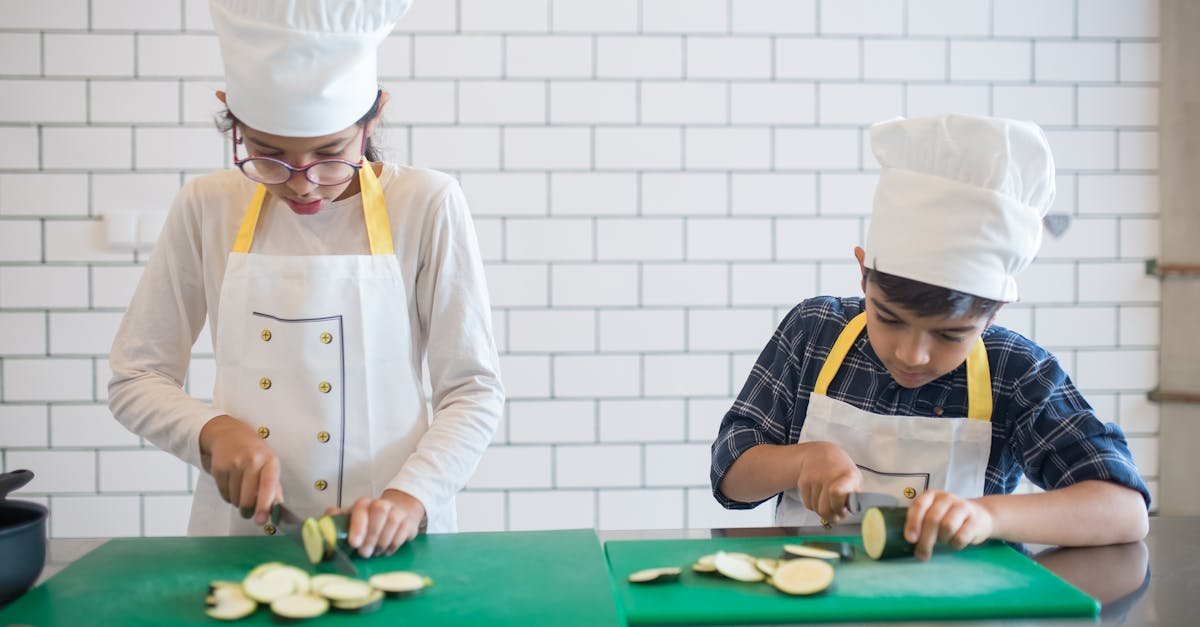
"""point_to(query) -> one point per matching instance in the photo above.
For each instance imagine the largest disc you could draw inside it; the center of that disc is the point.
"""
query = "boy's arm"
(1088, 513)
(822, 472)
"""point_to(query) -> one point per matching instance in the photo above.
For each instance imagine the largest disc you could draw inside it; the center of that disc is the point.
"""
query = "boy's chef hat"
(302, 68)
(960, 201)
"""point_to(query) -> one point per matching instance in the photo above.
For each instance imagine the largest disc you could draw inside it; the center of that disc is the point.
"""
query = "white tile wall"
(655, 184)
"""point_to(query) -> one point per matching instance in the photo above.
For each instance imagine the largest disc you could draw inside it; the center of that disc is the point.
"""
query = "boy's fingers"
(268, 491)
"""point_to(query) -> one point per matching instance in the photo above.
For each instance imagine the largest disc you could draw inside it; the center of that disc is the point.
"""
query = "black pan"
(22, 538)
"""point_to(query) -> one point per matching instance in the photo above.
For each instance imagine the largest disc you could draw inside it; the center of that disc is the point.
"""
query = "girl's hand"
(382, 525)
(245, 469)
(826, 479)
(937, 516)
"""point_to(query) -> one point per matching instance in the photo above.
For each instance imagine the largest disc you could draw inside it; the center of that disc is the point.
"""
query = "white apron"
(315, 353)
(898, 455)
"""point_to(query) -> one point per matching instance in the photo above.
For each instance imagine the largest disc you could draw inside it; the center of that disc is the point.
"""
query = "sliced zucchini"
(883, 533)
(297, 607)
(806, 550)
(364, 606)
(314, 542)
(400, 583)
(232, 607)
(845, 550)
(803, 576)
(655, 575)
(333, 528)
(766, 565)
(279, 580)
(704, 568)
(346, 590)
(317, 582)
(737, 567)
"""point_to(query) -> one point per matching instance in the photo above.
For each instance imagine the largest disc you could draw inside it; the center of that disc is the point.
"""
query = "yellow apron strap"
(245, 235)
(836, 354)
(379, 227)
(979, 383)
(979, 377)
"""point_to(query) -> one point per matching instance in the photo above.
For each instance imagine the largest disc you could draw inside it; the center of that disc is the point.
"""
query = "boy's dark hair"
(225, 121)
(927, 300)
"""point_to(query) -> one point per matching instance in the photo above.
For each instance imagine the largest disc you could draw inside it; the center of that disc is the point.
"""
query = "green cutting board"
(987, 581)
(516, 578)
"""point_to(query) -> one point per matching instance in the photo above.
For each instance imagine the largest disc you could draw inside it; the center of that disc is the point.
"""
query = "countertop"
(1153, 582)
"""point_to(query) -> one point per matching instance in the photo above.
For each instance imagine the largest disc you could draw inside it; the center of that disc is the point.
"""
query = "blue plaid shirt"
(1041, 425)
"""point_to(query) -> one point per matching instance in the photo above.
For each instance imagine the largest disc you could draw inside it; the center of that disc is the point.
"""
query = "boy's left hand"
(937, 516)
(383, 524)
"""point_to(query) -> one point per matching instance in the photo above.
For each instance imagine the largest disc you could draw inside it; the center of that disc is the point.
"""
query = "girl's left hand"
(937, 516)
(382, 525)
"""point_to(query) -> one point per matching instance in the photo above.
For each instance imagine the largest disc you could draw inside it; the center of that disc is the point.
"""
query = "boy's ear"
(861, 256)
(221, 96)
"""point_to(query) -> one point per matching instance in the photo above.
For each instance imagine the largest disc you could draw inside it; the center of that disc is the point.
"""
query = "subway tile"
(550, 422)
(599, 466)
(165, 514)
(66, 14)
(1123, 282)
(1144, 450)
(721, 239)
(1018, 318)
(847, 194)
(774, 194)
(421, 102)
(686, 375)
(677, 465)
(87, 148)
(142, 471)
(550, 239)
(817, 58)
(582, 102)
(1075, 61)
(460, 57)
(1045, 104)
(596, 376)
(22, 333)
(1139, 326)
(1137, 150)
(593, 285)
(639, 239)
(513, 467)
(505, 193)
(95, 516)
(865, 17)
(640, 509)
(47, 379)
(641, 420)
(20, 54)
(948, 17)
(816, 238)
(547, 148)
(704, 414)
(22, 148)
(83, 333)
(87, 54)
(179, 56)
(200, 104)
(593, 193)
(1073, 327)
(990, 61)
(921, 100)
(1140, 238)
(703, 512)
(56, 471)
(513, 16)
(1138, 413)
(817, 149)
(1123, 370)
(779, 284)
(430, 17)
(552, 56)
(685, 284)
(1118, 18)
(87, 426)
(1085, 238)
(135, 102)
(1138, 61)
(395, 57)
(889, 59)
(549, 330)
(623, 148)
(1047, 282)
(481, 511)
(136, 15)
(1034, 18)
(21, 240)
(551, 509)
(501, 102)
(859, 104)
(682, 103)
(29, 101)
(639, 57)
(587, 16)
(453, 148)
(727, 57)
(685, 16)
(793, 17)
(22, 425)
(840, 278)
(1120, 193)
(196, 15)
(728, 329)
(113, 286)
(1118, 106)
(638, 330)
(101, 376)
(1083, 150)
(772, 103)
(178, 148)
(517, 285)
(727, 148)
(43, 286)
(525, 376)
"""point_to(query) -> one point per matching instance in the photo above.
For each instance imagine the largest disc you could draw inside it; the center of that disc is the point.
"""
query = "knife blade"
(859, 502)
(290, 524)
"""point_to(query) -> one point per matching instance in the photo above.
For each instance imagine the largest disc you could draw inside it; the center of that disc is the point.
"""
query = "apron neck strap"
(379, 228)
(979, 377)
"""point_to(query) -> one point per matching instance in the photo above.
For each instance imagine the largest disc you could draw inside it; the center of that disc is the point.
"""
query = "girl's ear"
(373, 122)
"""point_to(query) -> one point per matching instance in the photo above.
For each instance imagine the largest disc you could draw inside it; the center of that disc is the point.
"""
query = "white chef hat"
(302, 68)
(960, 201)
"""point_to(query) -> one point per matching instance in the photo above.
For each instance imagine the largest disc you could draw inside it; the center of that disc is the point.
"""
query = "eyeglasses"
(271, 171)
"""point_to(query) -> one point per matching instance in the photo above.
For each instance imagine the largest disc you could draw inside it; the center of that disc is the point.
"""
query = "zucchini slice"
(803, 576)
(231, 606)
(347, 590)
(314, 542)
(845, 550)
(766, 565)
(317, 582)
(883, 533)
(704, 568)
(655, 575)
(275, 581)
(297, 607)
(363, 606)
(400, 583)
(806, 550)
(738, 568)
(333, 529)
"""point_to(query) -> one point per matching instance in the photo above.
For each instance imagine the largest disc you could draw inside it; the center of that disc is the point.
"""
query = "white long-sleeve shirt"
(447, 301)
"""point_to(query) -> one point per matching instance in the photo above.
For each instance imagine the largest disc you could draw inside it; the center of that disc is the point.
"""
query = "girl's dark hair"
(927, 300)
(225, 121)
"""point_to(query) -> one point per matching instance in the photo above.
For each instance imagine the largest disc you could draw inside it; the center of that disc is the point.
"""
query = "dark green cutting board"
(517, 578)
(987, 581)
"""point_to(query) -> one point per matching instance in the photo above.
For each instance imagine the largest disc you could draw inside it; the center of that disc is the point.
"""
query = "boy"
(933, 404)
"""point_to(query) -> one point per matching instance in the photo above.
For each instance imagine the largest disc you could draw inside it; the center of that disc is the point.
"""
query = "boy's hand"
(381, 525)
(245, 469)
(826, 479)
(937, 516)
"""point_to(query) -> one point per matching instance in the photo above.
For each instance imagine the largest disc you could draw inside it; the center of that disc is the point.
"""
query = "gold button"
(320, 484)
(265, 335)
(938, 411)
(325, 387)
(326, 338)
(910, 493)
(264, 383)
(824, 523)
(323, 437)
(269, 529)
(263, 432)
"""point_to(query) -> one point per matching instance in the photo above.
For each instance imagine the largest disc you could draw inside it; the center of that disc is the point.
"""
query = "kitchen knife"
(289, 523)
(859, 502)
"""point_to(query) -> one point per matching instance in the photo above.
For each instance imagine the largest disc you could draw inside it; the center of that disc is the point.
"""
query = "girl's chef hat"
(302, 68)
(960, 201)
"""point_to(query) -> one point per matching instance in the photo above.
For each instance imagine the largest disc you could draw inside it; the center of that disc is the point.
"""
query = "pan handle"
(13, 480)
